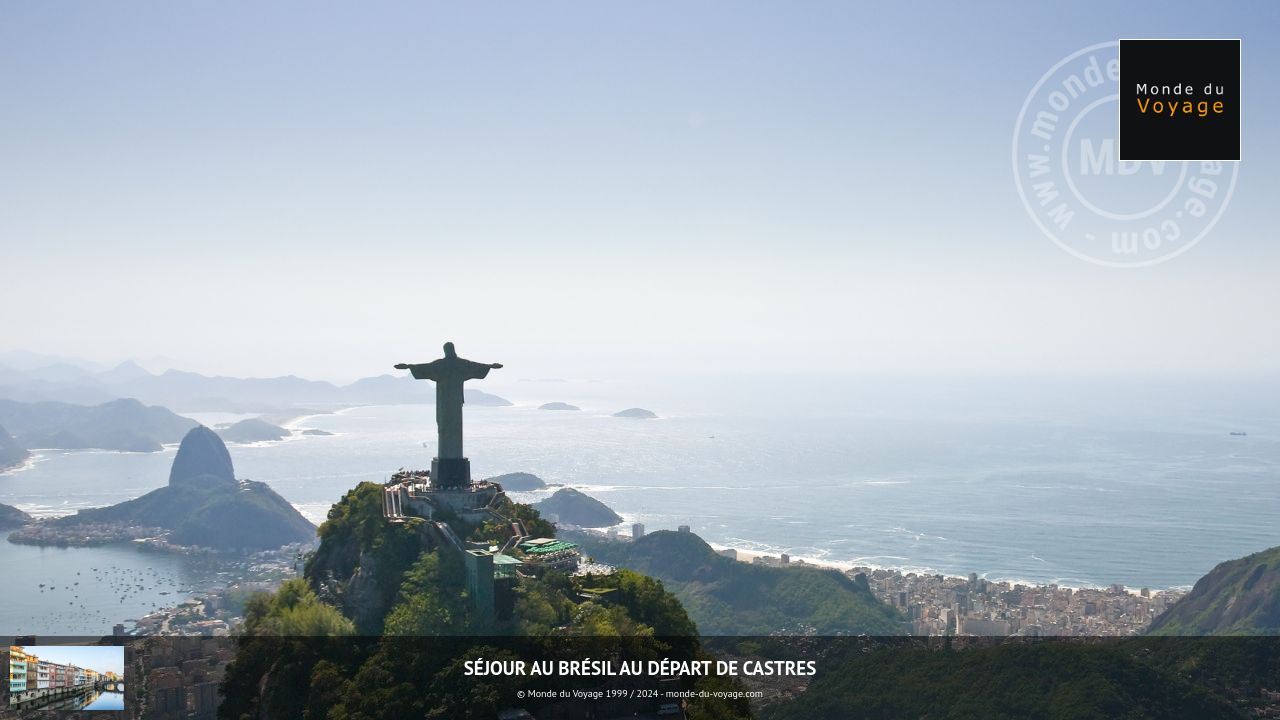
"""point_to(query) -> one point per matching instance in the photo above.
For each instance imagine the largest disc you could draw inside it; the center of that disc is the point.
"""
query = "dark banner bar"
(771, 678)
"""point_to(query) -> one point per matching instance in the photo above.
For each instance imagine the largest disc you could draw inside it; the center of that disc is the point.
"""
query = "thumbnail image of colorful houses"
(37, 668)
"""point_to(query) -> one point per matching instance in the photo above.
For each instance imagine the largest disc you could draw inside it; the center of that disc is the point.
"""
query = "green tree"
(432, 599)
(294, 611)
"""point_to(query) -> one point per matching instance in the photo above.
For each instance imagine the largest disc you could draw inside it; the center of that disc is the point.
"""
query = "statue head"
(449, 351)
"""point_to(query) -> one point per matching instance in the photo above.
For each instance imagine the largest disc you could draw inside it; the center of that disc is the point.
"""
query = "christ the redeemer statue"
(450, 468)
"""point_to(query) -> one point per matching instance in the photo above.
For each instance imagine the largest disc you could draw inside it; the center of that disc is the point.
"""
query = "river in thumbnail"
(106, 701)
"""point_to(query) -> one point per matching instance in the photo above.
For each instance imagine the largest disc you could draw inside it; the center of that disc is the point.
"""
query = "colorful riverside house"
(17, 669)
(44, 675)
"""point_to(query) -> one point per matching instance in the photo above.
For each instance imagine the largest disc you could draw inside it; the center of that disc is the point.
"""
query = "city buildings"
(935, 604)
(17, 670)
(943, 605)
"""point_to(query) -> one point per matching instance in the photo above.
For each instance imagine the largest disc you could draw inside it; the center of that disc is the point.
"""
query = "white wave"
(39, 510)
(27, 464)
(589, 488)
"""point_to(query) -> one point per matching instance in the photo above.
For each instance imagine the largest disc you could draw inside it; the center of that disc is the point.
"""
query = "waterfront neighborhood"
(935, 604)
(939, 605)
(218, 610)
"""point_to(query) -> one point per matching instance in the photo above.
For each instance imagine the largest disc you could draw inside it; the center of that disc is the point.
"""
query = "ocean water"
(1083, 482)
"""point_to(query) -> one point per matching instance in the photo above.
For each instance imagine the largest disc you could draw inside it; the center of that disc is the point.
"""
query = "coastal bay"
(1055, 498)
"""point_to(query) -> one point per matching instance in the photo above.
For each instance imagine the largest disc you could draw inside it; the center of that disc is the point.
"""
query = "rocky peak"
(202, 459)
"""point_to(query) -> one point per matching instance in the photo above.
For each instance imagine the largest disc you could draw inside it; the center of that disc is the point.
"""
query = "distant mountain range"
(191, 392)
(127, 408)
(115, 425)
(66, 405)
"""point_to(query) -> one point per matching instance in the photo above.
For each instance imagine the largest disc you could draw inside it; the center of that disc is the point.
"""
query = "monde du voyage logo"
(1124, 152)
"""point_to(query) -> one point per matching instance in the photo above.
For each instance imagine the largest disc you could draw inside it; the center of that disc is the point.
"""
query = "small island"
(519, 481)
(253, 430)
(638, 413)
(481, 398)
(558, 406)
(577, 508)
(315, 432)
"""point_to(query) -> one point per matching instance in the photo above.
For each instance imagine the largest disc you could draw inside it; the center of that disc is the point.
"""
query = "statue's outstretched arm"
(402, 366)
(495, 366)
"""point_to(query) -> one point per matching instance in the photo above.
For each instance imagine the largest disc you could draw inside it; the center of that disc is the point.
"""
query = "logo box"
(1179, 100)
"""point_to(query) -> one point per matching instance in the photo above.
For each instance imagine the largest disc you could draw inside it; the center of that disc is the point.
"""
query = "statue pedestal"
(450, 472)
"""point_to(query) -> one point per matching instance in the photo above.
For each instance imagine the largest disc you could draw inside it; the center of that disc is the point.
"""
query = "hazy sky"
(573, 189)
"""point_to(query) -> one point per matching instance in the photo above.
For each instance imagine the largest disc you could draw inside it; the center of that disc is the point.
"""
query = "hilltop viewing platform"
(411, 493)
